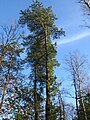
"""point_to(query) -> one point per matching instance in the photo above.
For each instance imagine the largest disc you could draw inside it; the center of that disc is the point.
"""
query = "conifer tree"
(40, 50)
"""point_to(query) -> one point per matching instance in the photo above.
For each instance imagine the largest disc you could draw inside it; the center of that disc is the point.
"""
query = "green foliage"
(40, 50)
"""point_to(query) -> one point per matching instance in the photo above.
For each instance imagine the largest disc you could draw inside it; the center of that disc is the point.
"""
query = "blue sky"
(70, 18)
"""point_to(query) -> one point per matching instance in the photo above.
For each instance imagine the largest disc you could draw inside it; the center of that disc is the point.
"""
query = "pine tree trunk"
(47, 82)
(47, 100)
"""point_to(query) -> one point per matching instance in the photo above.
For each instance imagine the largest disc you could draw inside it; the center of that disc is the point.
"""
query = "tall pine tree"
(40, 50)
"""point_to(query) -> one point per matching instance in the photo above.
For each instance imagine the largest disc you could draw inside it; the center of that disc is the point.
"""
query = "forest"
(29, 88)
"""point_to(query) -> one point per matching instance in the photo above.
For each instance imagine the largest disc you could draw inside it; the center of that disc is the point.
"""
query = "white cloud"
(74, 38)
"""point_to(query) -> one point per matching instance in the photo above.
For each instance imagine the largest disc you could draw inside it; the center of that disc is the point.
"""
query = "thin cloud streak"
(74, 38)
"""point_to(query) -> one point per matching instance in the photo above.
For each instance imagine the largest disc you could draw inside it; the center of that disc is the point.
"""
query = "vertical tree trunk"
(60, 112)
(4, 92)
(82, 99)
(60, 104)
(35, 95)
(6, 83)
(47, 81)
(76, 97)
(63, 110)
(84, 109)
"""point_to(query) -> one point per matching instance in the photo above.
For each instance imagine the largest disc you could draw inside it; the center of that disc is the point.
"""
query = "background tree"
(86, 8)
(9, 66)
(86, 3)
(76, 65)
